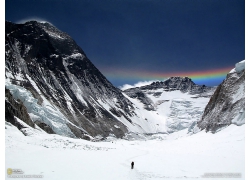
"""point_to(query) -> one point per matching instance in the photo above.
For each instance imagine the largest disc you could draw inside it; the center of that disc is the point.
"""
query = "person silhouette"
(132, 165)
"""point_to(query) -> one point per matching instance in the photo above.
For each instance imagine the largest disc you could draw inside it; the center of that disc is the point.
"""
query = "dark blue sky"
(137, 36)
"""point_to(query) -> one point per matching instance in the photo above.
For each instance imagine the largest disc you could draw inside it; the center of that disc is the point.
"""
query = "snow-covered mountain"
(227, 105)
(52, 90)
(170, 105)
(51, 84)
(64, 93)
(51, 75)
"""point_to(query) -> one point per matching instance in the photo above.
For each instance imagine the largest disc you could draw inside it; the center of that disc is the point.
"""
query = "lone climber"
(132, 165)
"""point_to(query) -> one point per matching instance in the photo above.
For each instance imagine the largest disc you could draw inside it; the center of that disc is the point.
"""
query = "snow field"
(160, 156)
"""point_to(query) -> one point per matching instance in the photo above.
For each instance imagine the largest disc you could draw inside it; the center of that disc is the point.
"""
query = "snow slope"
(171, 110)
(161, 156)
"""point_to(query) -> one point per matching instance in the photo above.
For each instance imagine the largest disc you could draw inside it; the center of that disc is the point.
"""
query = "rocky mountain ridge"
(227, 105)
(177, 102)
(55, 70)
(52, 85)
(182, 84)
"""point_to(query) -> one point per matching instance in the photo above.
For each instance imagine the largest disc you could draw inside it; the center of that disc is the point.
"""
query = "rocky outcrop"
(45, 127)
(227, 105)
(15, 108)
(136, 93)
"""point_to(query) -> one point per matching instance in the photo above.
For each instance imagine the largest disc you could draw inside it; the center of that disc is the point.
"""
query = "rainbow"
(199, 77)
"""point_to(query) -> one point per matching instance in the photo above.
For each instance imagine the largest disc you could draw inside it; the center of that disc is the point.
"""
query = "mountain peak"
(174, 83)
(72, 93)
(183, 84)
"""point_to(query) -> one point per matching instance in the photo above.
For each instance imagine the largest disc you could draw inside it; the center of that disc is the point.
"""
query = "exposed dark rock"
(184, 84)
(157, 94)
(227, 102)
(62, 73)
(16, 108)
(137, 93)
(45, 127)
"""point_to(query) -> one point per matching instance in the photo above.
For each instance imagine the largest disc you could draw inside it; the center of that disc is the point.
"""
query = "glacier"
(45, 113)
(160, 156)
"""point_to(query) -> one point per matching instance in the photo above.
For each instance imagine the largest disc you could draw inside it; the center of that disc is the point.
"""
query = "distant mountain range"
(53, 86)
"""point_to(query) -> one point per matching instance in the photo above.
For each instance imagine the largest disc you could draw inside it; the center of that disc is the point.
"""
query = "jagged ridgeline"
(59, 86)
(52, 85)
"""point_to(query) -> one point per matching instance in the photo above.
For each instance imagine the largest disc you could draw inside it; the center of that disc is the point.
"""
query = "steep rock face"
(15, 108)
(54, 69)
(227, 105)
(136, 93)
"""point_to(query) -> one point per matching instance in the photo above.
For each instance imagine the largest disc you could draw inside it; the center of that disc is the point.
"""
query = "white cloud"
(126, 86)
(143, 83)
(138, 84)
(22, 21)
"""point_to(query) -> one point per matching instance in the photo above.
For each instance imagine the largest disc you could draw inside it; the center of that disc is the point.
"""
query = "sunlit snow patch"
(238, 67)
